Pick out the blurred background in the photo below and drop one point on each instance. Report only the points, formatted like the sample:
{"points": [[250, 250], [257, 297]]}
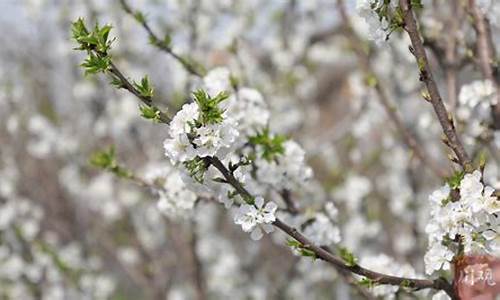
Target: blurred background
{"points": [[71, 231]]}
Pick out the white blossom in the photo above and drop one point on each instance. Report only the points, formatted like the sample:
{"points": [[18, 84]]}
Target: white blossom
{"points": [[322, 231], [437, 257], [476, 99], [441, 295], [257, 217], [217, 80], [246, 105], [468, 217], [188, 141], [287, 171], [376, 27]]}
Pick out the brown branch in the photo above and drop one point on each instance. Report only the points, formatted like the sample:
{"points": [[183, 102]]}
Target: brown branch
{"points": [[487, 54], [157, 42], [365, 64], [291, 205], [339, 264], [378, 278], [126, 84], [444, 117]]}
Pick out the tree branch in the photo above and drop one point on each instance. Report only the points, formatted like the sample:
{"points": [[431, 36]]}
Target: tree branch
{"points": [[126, 84], [157, 42], [339, 264], [444, 117]]}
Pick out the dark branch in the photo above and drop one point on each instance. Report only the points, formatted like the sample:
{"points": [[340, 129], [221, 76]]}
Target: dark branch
{"points": [[444, 117]]}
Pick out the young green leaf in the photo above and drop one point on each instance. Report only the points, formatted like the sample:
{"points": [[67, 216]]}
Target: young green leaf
{"points": [[150, 113], [144, 87], [94, 64], [349, 258], [272, 146], [210, 112]]}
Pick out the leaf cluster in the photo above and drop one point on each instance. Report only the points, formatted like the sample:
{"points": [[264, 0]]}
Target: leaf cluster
{"points": [[95, 40], [272, 145], [196, 168], [144, 87], [347, 256], [106, 160], [455, 179], [151, 113], [210, 112], [301, 249], [97, 44]]}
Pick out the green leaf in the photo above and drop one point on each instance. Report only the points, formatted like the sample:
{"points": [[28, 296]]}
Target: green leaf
{"points": [[79, 31], [210, 112], [417, 4], [481, 159], [96, 40], [94, 64], [347, 256], [455, 179], [235, 82], [144, 87], [303, 251], [421, 64], [196, 168], [116, 82], [140, 17], [272, 146], [371, 80], [103, 159], [307, 253], [367, 282], [293, 243], [106, 160], [150, 113], [406, 284], [167, 40]]}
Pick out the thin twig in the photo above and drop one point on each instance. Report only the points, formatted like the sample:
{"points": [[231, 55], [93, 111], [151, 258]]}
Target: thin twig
{"points": [[156, 41], [486, 52], [364, 61], [126, 84]]}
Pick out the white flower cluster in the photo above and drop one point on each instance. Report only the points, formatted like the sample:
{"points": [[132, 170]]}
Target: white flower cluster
{"points": [[473, 219], [476, 99], [376, 27], [188, 141], [322, 231], [176, 200], [257, 217], [47, 261], [246, 105], [286, 171], [357, 228], [46, 138], [241, 118], [387, 265]]}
